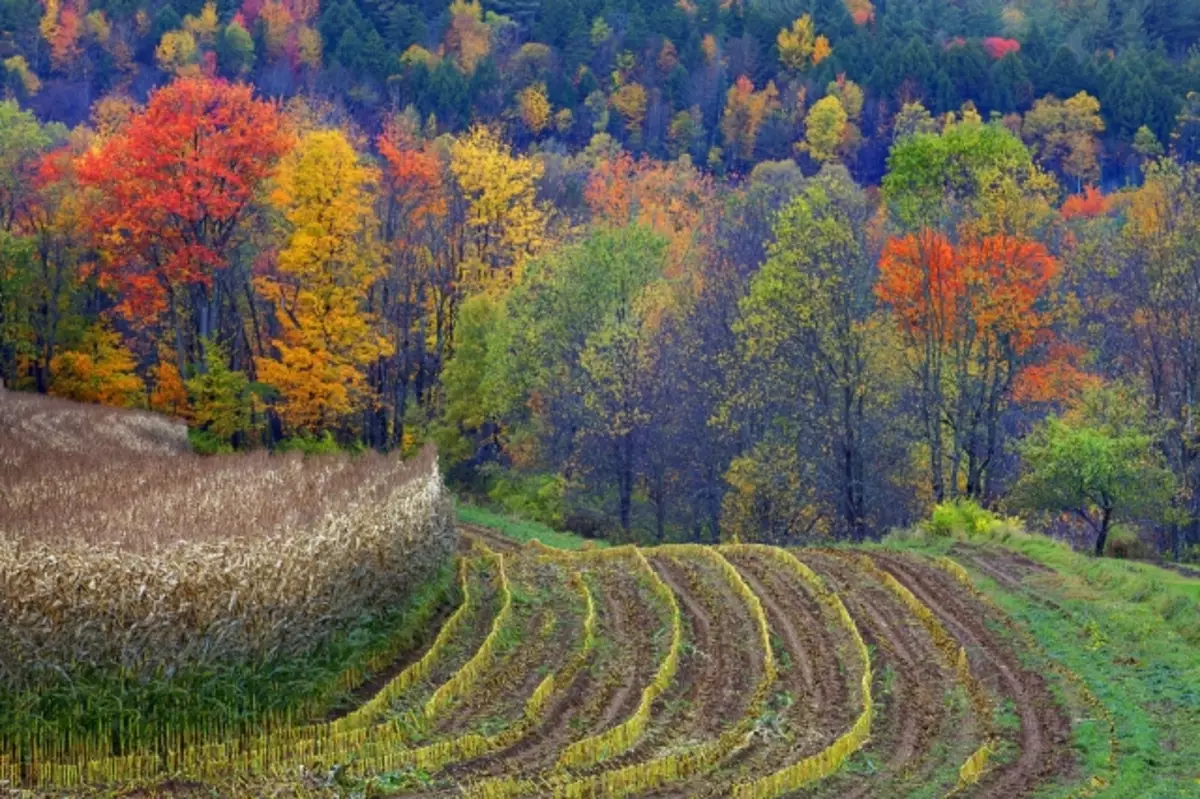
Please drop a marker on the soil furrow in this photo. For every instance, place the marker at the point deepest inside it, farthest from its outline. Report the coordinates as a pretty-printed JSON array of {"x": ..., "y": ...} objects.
[
  {"x": 602, "y": 694},
  {"x": 912, "y": 712},
  {"x": 1044, "y": 728},
  {"x": 548, "y": 622}
]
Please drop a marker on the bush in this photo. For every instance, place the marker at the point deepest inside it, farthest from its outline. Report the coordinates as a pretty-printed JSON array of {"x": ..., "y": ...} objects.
[
  {"x": 310, "y": 444},
  {"x": 529, "y": 496},
  {"x": 961, "y": 518},
  {"x": 1125, "y": 544},
  {"x": 589, "y": 523},
  {"x": 205, "y": 443}
]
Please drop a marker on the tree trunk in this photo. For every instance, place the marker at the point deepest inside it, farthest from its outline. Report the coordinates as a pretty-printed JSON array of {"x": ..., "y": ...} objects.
[{"x": 1102, "y": 533}]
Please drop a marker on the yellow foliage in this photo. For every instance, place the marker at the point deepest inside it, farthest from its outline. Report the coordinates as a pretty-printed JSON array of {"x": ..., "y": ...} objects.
[
  {"x": 534, "y": 107},
  {"x": 321, "y": 288},
  {"x": 800, "y": 46},
  {"x": 100, "y": 371},
  {"x": 507, "y": 223},
  {"x": 469, "y": 37},
  {"x": 18, "y": 66},
  {"x": 177, "y": 53},
  {"x": 309, "y": 41},
  {"x": 204, "y": 25},
  {"x": 630, "y": 102}
]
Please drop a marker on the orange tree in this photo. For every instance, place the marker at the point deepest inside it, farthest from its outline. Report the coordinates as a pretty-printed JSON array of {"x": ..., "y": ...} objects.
[
  {"x": 172, "y": 189},
  {"x": 972, "y": 317}
]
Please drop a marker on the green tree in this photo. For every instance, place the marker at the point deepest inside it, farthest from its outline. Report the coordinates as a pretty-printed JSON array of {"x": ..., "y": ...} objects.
[
  {"x": 825, "y": 129},
  {"x": 970, "y": 171},
  {"x": 1099, "y": 462},
  {"x": 220, "y": 399},
  {"x": 805, "y": 344}
]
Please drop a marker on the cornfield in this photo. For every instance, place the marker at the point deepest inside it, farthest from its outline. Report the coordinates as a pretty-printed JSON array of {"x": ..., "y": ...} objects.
[
  {"x": 132, "y": 570},
  {"x": 127, "y": 561}
]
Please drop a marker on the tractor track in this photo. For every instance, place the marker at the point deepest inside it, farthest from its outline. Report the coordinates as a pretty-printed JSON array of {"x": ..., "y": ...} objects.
[
  {"x": 912, "y": 713},
  {"x": 1044, "y": 729}
]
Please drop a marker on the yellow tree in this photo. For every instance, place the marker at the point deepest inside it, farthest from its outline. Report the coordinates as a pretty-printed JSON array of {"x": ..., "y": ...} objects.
[
  {"x": 321, "y": 284},
  {"x": 1062, "y": 136},
  {"x": 101, "y": 370},
  {"x": 827, "y": 129},
  {"x": 469, "y": 38},
  {"x": 630, "y": 102},
  {"x": 800, "y": 46},
  {"x": 534, "y": 108},
  {"x": 505, "y": 221}
]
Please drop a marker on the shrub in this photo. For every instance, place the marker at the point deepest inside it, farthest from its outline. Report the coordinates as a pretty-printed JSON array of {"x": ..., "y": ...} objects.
[
  {"x": 1125, "y": 543},
  {"x": 961, "y": 518},
  {"x": 529, "y": 496},
  {"x": 310, "y": 444}
]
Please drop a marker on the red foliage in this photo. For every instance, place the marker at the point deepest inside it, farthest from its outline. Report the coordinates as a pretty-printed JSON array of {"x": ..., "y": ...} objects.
[
  {"x": 413, "y": 179},
  {"x": 987, "y": 289},
  {"x": 171, "y": 188},
  {"x": 1091, "y": 203},
  {"x": 1059, "y": 377},
  {"x": 997, "y": 47}
]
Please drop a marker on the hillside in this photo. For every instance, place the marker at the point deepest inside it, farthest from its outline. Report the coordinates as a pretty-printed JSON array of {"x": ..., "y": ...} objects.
[{"x": 975, "y": 661}]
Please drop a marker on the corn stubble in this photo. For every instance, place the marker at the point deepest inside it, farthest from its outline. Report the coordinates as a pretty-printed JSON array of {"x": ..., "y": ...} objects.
[{"x": 122, "y": 554}]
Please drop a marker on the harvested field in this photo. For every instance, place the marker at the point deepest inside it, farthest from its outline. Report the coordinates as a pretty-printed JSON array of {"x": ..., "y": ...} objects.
[{"x": 747, "y": 671}]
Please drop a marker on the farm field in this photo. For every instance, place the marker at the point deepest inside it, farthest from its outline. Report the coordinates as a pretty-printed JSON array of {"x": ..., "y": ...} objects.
[{"x": 988, "y": 666}]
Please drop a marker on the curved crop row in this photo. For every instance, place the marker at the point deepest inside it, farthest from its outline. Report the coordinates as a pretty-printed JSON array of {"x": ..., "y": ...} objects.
[
  {"x": 830, "y": 759},
  {"x": 457, "y": 686},
  {"x": 620, "y": 738},
  {"x": 1095, "y": 784},
  {"x": 442, "y": 753},
  {"x": 702, "y": 757},
  {"x": 276, "y": 748},
  {"x": 956, "y": 656}
]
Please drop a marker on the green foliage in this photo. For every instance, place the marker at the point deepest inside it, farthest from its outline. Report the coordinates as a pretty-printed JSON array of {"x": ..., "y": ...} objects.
[
  {"x": 1124, "y": 542},
  {"x": 220, "y": 398},
  {"x": 961, "y": 518},
  {"x": 324, "y": 444},
  {"x": 1099, "y": 462},
  {"x": 537, "y": 497},
  {"x": 934, "y": 178}
]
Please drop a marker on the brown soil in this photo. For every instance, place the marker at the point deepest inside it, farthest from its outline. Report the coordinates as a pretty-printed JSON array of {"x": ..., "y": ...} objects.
[
  {"x": 602, "y": 695},
  {"x": 376, "y": 682},
  {"x": 489, "y": 538},
  {"x": 1045, "y": 730},
  {"x": 823, "y": 705},
  {"x": 725, "y": 661},
  {"x": 498, "y": 698},
  {"x": 912, "y": 714},
  {"x": 486, "y": 599}
]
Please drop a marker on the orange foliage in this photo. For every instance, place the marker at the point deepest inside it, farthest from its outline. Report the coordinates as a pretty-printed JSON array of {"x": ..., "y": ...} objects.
[
  {"x": 413, "y": 177},
  {"x": 1091, "y": 203},
  {"x": 1058, "y": 377},
  {"x": 988, "y": 289},
  {"x": 174, "y": 183},
  {"x": 101, "y": 371},
  {"x": 670, "y": 199},
  {"x": 861, "y": 11},
  {"x": 169, "y": 395}
]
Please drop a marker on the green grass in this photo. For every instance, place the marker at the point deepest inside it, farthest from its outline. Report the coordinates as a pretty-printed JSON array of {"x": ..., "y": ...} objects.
[
  {"x": 1131, "y": 633},
  {"x": 520, "y": 530}
]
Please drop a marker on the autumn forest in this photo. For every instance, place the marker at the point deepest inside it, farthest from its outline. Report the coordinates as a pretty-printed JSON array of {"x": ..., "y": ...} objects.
[{"x": 760, "y": 270}]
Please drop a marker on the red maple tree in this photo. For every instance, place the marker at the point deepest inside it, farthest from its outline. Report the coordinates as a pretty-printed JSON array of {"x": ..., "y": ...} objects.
[{"x": 172, "y": 187}]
